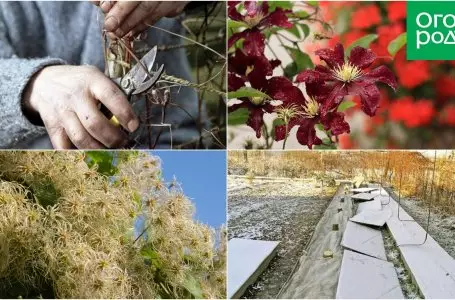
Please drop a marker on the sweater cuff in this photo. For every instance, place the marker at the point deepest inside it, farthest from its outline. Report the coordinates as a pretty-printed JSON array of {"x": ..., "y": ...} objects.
[{"x": 18, "y": 127}]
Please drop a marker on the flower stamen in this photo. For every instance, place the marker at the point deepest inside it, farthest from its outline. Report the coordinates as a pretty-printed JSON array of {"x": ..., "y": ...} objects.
[
  {"x": 286, "y": 113},
  {"x": 311, "y": 109},
  {"x": 257, "y": 100},
  {"x": 253, "y": 21},
  {"x": 347, "y": 72}
]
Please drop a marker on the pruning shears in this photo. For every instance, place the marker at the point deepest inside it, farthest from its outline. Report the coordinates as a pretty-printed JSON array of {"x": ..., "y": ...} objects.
[{"x": 140, "y": 79}]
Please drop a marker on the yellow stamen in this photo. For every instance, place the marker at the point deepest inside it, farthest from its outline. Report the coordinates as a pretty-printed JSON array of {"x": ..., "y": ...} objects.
[
  {"x": 347, "y": 72},
  {"x": 255, "y": 20},
  {"x": 286, "y": 113},
  {"x": 311, "y": 109},
  {"x": 257, "y": 100},
  {"x": 249, "y": 69}
]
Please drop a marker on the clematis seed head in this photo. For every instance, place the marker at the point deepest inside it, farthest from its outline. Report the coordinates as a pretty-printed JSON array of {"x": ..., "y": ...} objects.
[{"x": 347, "y": 72}]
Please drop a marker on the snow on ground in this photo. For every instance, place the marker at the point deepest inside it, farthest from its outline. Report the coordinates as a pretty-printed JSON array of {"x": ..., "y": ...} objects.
[
  {"x": 442, "y": 226},
  {"x": 276, "y": 210}
]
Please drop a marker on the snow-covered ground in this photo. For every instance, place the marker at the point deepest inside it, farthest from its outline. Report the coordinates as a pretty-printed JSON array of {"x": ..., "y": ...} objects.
[{"x": 277, "y": 210}]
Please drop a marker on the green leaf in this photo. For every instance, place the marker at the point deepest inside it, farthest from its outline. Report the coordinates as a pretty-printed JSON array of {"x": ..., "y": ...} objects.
[
  {"x": 282, "y": 4},
  {"x": 306, "y": 29},
  {"x": 294, "y": 30},
  {"x": 234, "y": 25},
  {"x": 291, "y": 70},
  {"x": 346, "y": 105},
  {"x": 301, "y": 14},
  {"x": 364, "y": 42},
  {"x": 397, "y": 44},
  {"x": 151, "y": 256},
  {"x": 302, "y": 60},
  {"x": 104, "y": 160},
  {"x": 246, "y": 92},
  {"x": 320, "y": 126},
  {"x": 238, "y": 117},
  {"x": 313, "y": 3},
  {"x": 193, "y": 287}
]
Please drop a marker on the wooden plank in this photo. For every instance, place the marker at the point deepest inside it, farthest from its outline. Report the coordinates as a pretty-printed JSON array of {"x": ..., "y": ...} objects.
[
  {"x": 431, "y": 266},
  {"x": 373, "y": 217},
  {"x": 365, "y": 277},
  {"x": 364, "y": 239},
  {"x": 363, "y": 197},
  {"x": 247, "y": 260},
  {"x": 363, "y": 190},
  {"x": 375, "y": 204}
]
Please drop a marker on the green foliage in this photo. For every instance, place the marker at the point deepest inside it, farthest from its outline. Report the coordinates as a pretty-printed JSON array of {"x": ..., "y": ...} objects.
[
  {"x": 364, "y": 42},
  {"x": 397, "y": 44},
  {"x": 238, "y": 117},
  {"x": 247, "y": 92},
  {"x": 345, "y": 105}
]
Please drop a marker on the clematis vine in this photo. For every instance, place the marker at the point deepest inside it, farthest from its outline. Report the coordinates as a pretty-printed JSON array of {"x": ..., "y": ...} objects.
[
  {"x": 307, "y": 98},
  {"x": 257, "y": 18},
  {"x": 307, "y": 114},
  {"x": 255, "y": 71},
  {"x": 342, "y": 77}
]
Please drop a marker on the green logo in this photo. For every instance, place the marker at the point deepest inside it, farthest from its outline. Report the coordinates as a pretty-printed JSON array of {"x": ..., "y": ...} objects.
[{"x": 430, "y": 30}]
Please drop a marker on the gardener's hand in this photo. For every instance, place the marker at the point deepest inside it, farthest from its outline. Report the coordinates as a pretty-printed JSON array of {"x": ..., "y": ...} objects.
[
  {"x": 133, "y": 17},
  {"x": 67, "y": 99}
]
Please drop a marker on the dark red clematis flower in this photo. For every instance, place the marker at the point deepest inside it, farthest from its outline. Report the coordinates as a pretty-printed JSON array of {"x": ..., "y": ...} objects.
[
  {"x": 255, "y": 70},
  {"x": 257, "y": 18},
  {"x": 308, "y": 116},
  {"x": 348, "y": 76}
]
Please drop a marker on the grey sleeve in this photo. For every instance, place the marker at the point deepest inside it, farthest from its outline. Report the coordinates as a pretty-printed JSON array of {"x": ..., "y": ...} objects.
[{"x": 14, "y": 75}]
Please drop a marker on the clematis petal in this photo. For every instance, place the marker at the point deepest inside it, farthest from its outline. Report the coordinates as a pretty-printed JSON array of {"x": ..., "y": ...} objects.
[
  {"x": 256, "y": 120},
  {"x": 362, "y": 57},
  {"x": 235, "y": 82},
  {"x": 265, "y": 8},
  {"x": 281, "y": 88},
  {"x": 275, "y": 63},
  {"x": 280, "y": 130},
  {"x": 277, "y": 18},
  {"x": 335, "y": 93},
  {"x": 233, "y": 12},
  {"x": 239, "y": 62},
  {"x": 333, "y": 58},
  {"x": 381, "y": 74},
  {"x": 236, "y": 36},
  {"x": 313, "y": 76},
  {"x": 251, "y": 7},
  {"x": 261, "y": 69},
  {"x": 254, "y": 44},
  {"x": 336, "y": 123},
  {"x": 306, "y": 134},
  {"x": 369, "y": 96}
]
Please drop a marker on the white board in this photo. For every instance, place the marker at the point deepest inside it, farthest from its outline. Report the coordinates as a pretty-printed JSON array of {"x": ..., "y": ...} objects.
[
  {"x": 375, "y": 204},
  {"x": 384, "y": 199},
  {"x": 364, "y": 239},
  {"x": 373, "y": 217},
  {"x": 431, "y": 266},
  {"x": 365, "y": 277},
  {"x": 363, "y": 190},
  {"x": 247, "y": 259},
  {"x": 380, "y": 192},
  {"x": 363, "y": 197}
]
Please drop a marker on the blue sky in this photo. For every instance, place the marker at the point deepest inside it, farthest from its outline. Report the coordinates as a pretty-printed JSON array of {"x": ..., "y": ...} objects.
[{"x": 202, "y": 175}]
